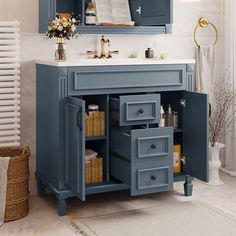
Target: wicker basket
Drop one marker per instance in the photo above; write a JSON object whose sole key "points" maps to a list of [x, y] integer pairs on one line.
{"points": [[17, 197], [94, 171], [16, 210], [95, 124]]}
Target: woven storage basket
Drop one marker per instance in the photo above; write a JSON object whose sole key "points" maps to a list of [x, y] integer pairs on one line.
{"points": [[17, 197], [94, 171]]}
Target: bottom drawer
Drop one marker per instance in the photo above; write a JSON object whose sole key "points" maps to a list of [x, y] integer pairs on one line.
{"points": [[142, 178], [152, 178]]}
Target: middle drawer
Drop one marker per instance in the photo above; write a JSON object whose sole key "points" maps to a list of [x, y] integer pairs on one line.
{"points": [[136, 109], [142, 144]]}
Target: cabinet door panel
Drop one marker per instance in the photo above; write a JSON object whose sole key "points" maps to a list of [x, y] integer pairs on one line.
{"points": [[75, 146], [47, 10], [156, 12], [195, 135]]}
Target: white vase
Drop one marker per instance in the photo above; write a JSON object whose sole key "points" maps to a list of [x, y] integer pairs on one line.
{"points": [[215, 164]]}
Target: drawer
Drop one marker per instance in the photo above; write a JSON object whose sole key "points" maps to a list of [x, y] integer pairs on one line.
{"points": [[153, 178], [142, 178], [136, 109], [100, 79], [141, 145]]}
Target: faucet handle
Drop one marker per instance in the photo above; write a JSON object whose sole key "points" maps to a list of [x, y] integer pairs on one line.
{"points": [[114, 52], [91, 52]]}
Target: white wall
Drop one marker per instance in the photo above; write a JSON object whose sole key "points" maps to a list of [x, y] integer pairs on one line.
{"points": [[33, 46]]}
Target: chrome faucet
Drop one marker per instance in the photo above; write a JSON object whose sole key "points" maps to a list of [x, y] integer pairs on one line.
{"points": [[103, 54]]}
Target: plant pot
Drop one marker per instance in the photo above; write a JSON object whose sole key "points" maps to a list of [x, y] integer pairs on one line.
{"points": [[215, 164], [60, 53]]}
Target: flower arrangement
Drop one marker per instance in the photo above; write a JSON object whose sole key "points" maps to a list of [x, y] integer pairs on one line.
{"points": [[62, 28]]}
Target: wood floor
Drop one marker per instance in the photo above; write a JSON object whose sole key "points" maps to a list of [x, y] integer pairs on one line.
{"points": [[44, 221]]}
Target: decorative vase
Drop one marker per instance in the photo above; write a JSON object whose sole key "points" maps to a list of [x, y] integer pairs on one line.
{"points": [[60, 53], [215, 164]]}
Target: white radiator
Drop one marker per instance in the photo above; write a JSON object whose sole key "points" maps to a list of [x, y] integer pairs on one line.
{"points": [[9, 83]]}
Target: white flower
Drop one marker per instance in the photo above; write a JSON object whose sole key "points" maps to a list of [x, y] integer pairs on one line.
{"points": [[73, 20], [49, 28], [73, 28], [65, 24], [60, 27]]}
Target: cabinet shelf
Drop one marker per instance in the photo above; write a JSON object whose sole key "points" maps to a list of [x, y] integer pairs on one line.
{"points": [[109, 186], [176, 131], [181, 177], [96, 138], [86, 29]]}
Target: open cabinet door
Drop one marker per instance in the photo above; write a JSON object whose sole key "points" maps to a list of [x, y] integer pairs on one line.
{"points": [[195, 135], [75, 146]]}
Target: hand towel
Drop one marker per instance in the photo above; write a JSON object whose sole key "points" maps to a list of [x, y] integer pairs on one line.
{"points": [[4, 162], [205, 70]]}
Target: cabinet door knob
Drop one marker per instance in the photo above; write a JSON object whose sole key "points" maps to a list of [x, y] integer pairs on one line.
{"points": [[153, 146], [139, 10], [153, 177], [141, 111]]}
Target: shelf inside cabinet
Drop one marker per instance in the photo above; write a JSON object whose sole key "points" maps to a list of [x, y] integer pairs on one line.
{"points": [[96, 138], [180, 177], [102, 187], [178, 131]]}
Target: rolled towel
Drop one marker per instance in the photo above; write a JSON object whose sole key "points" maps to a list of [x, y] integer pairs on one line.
{"points": [[4, 162]]}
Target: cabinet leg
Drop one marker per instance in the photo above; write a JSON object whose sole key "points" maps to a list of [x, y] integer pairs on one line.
{"points": [[61, 207], [188, 186], [41, 188]]}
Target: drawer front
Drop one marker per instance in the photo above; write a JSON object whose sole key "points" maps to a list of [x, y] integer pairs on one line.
{"points": [[117, 79], [153, 144], [139, 109], [152, 178]]}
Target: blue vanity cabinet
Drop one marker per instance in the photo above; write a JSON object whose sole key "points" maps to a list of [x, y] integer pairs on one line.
{"points": [[151, 17], [137, 153], [49, 8], [152, 12]]}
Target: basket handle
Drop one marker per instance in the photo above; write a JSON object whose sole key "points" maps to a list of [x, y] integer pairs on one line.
{"points": [[26, 151]]}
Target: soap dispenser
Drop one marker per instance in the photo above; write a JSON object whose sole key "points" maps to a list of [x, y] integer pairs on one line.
{"points": [[149, 53]]}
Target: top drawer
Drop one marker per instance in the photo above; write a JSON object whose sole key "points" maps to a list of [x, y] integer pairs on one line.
{"points": [[136, 109], [117, 79]]}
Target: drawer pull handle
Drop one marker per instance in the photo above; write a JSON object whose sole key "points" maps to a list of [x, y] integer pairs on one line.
{"points": [[153, 177], [153, 146], [141, 111]]}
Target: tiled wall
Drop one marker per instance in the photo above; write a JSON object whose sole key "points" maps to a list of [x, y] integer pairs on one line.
{"points": [[179, 45]]}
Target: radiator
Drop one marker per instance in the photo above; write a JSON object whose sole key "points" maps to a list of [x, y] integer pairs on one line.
{"points": [[9, 83]]}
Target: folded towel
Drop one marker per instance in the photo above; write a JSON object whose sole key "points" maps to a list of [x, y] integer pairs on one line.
{"points": [[4, 162], [205, 70]]}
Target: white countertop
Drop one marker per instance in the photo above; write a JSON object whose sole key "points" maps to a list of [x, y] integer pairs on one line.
{"points": [[114, 62]]}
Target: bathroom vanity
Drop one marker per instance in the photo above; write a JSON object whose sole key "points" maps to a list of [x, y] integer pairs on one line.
{"points": [[137, 154]]}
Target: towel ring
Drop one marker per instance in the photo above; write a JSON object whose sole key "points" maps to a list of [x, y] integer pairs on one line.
{"points": [[204, 22]]}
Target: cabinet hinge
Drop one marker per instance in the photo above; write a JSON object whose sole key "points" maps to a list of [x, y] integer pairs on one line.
{"points": [[183, 103]]}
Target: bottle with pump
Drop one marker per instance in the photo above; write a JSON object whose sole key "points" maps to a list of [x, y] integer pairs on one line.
{"points": [[162, 118]]}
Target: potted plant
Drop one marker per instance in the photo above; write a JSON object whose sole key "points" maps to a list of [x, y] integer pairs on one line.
{"points": [[61, 28], [222, 115]]}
